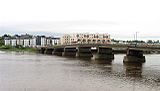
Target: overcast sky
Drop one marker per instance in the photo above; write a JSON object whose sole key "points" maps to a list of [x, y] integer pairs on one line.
{"points": [[120, 18]]}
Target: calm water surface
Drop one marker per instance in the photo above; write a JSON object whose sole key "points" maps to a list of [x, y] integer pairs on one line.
{"points": [[37, 72]]}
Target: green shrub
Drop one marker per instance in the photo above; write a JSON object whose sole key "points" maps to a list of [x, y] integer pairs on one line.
{"points": [[6, 47]]}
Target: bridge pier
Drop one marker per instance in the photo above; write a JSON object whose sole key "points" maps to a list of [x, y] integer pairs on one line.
{"points": [[48, 51], [58, 51], [70, 51], [84, 52], [135, 56], [104, 53]]}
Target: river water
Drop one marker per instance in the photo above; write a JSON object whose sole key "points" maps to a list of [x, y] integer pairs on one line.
{"points": [[37, 72]]}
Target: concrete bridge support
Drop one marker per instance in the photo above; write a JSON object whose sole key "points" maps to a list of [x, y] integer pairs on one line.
{"points": [[58, 51], [135, 56], [84, 52], [70, 51], [48, 51], [104, 53]]}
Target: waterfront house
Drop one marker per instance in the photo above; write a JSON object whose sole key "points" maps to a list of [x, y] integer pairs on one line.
{"points": [[26, 40], [15, 40], [86, 38], [7, 40], [48, 41], [55, 41], [43, 41], [65, 39], [31, 41]]}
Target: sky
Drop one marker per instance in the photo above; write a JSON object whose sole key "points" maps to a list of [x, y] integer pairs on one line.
{"points": [[119, 18]]}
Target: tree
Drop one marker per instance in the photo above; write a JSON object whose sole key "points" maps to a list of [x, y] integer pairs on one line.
{"points": [[149, 41], [157, 42], [1, 41]]}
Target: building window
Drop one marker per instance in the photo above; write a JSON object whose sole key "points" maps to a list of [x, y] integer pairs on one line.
{"points": [[87, 36], [98, 41], [103, 41], [84, 40], [78, 40], [94, 41], [77, 35], [89, 41]]}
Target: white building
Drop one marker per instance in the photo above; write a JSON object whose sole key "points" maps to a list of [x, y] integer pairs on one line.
{"points": [[43, 41], [13, 42], [7, 41], [34, 42], [31, 41], [26, 43], [48, 41], [55, 41]]}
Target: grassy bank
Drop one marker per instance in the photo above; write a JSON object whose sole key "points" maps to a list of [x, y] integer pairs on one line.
{"points": [[17, 48]]}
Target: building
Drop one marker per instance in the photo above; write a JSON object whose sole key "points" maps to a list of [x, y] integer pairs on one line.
{"points": [[56, 41], [85, 38], [48, 41], [43, 41], [39, 41], [7, 41], [31, 41], [26, 40], [66, 39]]}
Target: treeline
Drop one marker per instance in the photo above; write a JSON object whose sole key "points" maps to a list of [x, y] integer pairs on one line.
{"points": [[1, 41], [136, 41]]}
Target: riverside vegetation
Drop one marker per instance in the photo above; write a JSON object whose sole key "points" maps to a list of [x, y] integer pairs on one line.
{"points": [[17, 48]]}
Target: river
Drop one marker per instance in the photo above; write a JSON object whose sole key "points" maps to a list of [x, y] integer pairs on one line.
{"points": [[37, 72]]}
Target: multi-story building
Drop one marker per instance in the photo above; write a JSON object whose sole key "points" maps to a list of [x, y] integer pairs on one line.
{"points": [[39, 41], [36, 41], [66, 39], [7, 41], [31, 41], [48, 41], [26, 40], [86, 38], [43, 41], [56, 41], [14, 42]]}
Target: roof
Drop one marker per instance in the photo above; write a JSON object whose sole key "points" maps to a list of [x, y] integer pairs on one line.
{"points": [[25, 36], [55, 38], [7, 38]]}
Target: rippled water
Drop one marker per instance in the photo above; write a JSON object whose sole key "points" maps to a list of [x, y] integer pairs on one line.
{"points": [[37, 72]]}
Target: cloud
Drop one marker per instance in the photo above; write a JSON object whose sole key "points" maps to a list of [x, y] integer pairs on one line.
{"points": [[116, 29], [120, 18]]}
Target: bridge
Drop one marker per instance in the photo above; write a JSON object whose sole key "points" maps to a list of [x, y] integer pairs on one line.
{"points": [[100, 51]]}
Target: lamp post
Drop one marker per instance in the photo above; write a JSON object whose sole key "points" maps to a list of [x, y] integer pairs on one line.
{"points": [[136, 38], [136, 35]]}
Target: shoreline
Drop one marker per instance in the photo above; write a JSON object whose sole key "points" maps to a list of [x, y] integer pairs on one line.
{"points": [[18, 49]]}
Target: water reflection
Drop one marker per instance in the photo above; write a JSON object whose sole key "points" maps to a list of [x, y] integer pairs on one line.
{"points": [[85, 59], [106, 67], [102, 61], [53, 73], [133, 69]]}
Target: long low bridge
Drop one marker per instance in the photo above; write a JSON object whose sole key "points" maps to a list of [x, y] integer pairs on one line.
{"points": [[98, 51]]}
